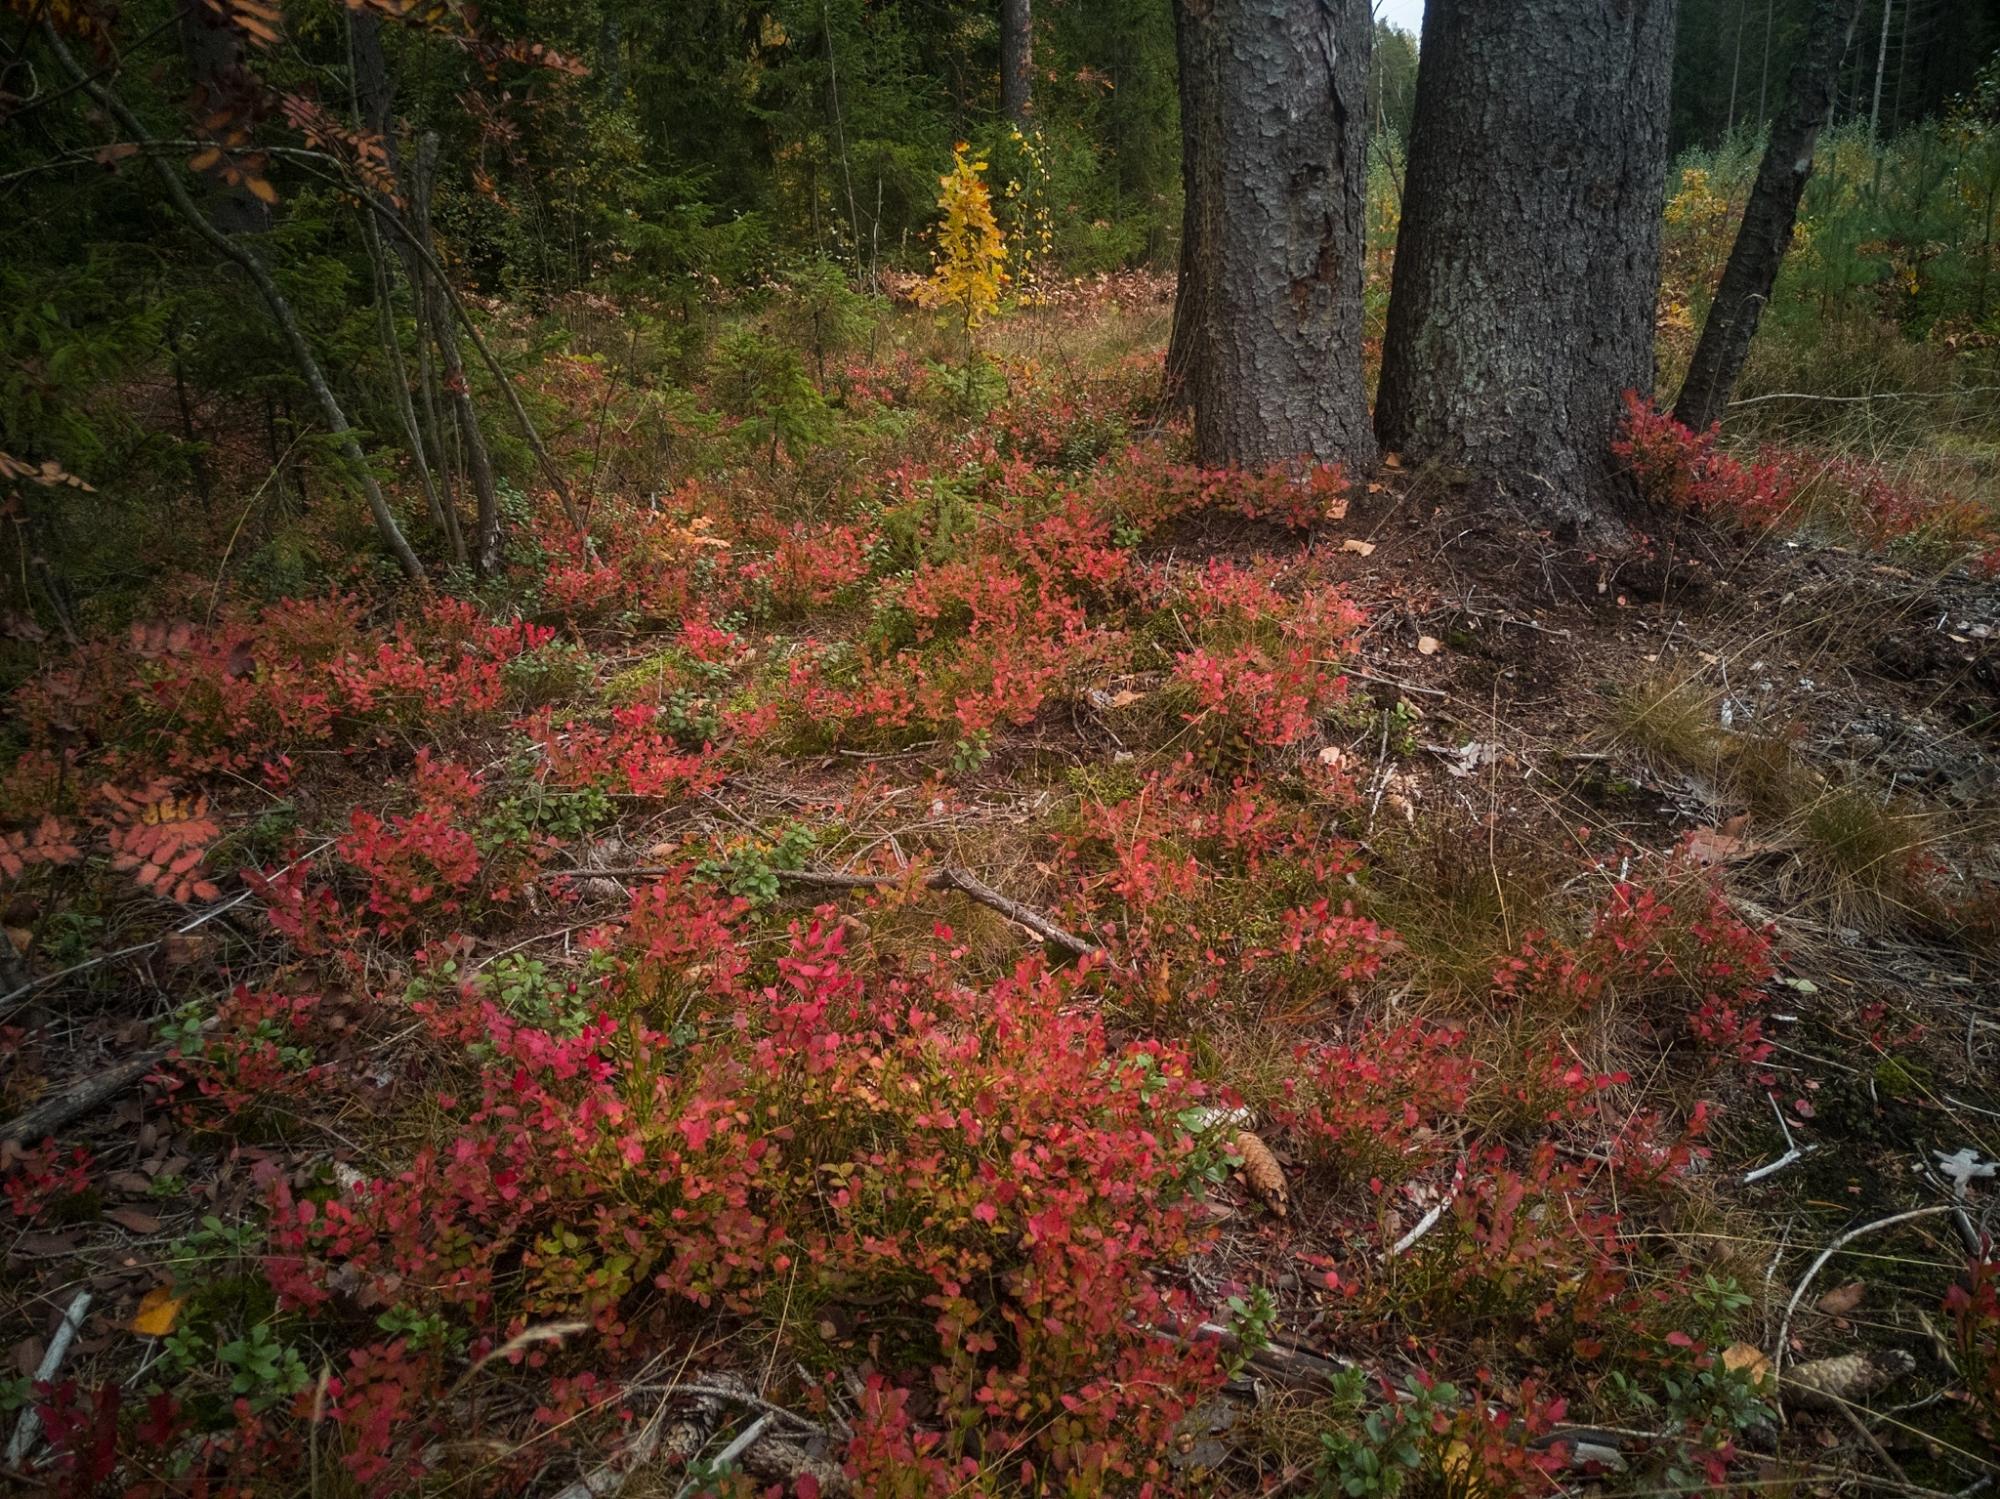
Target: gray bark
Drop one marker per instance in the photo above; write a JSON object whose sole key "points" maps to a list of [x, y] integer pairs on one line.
{"points": [[213, 49], [274, 300], [1017, 60], [1188, 312], [1527, 266], [1768, 218], [1881, 66], [458, 389], [374, 99], [1275, 139]]}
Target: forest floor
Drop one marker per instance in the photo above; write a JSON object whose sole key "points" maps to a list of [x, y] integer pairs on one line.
{"points": [[994, 961]]}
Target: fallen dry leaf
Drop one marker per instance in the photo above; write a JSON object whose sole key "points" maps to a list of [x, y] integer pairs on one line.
{"points": [[1429, 645], [1262, 1171], [133, 1220], [1358, 547], [1471, 757], [1746, 1359], [159, 1310], [1392, 460], [1842, 1299], [1725, 843]]}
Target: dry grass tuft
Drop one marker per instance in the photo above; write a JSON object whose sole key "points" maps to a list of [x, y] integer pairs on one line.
{"points": [[1670, 720], [1863, 857]]}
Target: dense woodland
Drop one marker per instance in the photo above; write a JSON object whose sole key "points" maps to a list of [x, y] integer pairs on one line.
{"points": [[1017, 747]]}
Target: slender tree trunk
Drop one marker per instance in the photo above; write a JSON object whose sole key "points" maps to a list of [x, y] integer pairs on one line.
{"points": [[1188, 307], [374, 103], [611, 59], [213, 49], [1527, 266], [1275, 95], [274, 299], [1017, 60], [411, 235], [189, 433], [1735, 72], [458, 389], [1768, 218], [406, 411], [840, 134], [1881, 67], [1764, 68]]}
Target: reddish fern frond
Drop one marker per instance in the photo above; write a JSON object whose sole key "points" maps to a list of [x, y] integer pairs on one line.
{"points": [[162, 839], [48, 842]]}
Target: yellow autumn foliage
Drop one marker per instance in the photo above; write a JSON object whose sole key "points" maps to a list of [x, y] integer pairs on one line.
{"points": [[970, 263]]}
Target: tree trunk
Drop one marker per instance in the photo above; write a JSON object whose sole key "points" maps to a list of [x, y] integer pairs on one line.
{"points": [[1527, 266], [611, 59], [1766, 232], [458, 390], [274, 300], [374, 102], [1017, 60], [1188, 311], [1735, 72], [410, 234], [1881, 67], [1275, 133], [1764, 68], [213, 49]]}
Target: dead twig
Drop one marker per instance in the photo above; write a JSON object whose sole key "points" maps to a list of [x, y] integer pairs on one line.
{"points": [[1794, 1152], [1798, 1295], [52, 1114], [950, 877], [28, 1430]]}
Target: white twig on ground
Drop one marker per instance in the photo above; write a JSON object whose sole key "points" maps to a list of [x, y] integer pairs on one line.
{"points": [[1424, 1225], [12, 995], [28, 1430], [1794, 1152], [743, 1443], [1785, 1323]]}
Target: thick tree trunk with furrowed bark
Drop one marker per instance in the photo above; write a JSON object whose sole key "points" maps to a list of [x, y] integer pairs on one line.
{"points": [[1527, 266], [1768, 219], [1267, 335]]}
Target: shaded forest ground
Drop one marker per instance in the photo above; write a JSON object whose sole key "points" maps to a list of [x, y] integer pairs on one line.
{"points": [[1464, 986]]}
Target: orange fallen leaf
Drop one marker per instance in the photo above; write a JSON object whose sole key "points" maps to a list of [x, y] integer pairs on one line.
{"points": [[1745, 1359], [159, 1310], [1359, 548], [1842, 1299], [1722, 844]]}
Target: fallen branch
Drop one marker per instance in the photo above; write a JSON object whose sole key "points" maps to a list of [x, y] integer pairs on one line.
{"points": [[1424, 1225], [783, 1457], [1794, 1152], [51, 1114], [10, 998], [1301, 1368], [28, 1430], [1798, 1295], [949, 877], [744, 1441]]}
